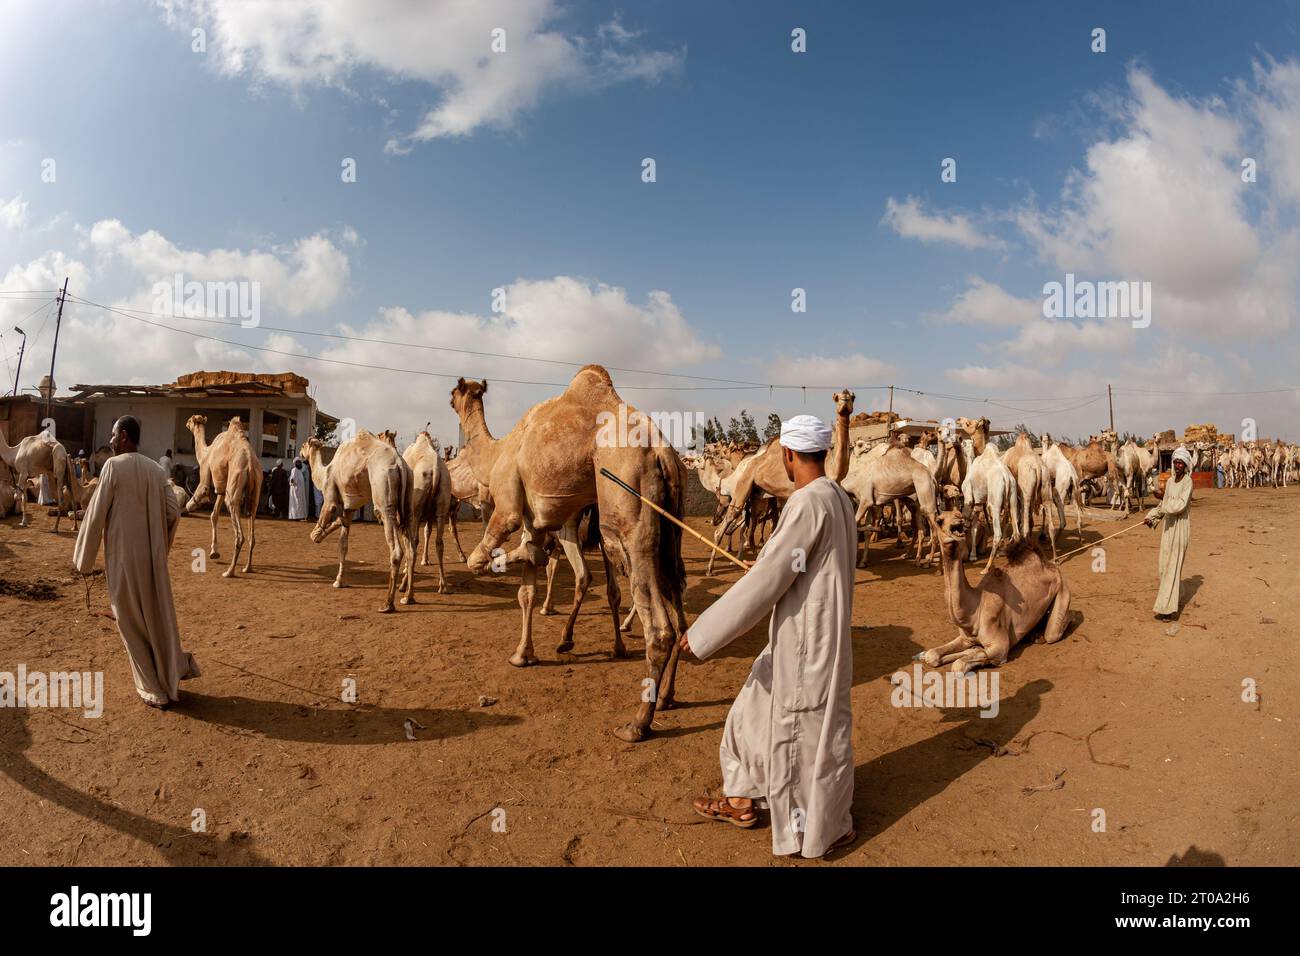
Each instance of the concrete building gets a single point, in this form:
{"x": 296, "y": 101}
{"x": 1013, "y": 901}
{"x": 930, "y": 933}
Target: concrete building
{"x": 277, "y": 409}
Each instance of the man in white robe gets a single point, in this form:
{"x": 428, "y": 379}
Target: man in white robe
{"x": 297, "y": 492}
{"x": 135, "y": 517}
{"x": 1175, "y": 510}
{"x": 787, "y": 740}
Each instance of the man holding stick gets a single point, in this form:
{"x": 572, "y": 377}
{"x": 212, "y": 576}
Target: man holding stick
{"x": 787, "y": 741}
{"x": 1176, "y": 530}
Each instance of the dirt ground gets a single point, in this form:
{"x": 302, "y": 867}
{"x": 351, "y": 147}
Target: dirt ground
{"x": 1120, "y": 716}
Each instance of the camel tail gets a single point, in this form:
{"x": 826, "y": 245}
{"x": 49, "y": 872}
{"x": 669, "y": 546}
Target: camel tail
{"x": 672, "y": 566}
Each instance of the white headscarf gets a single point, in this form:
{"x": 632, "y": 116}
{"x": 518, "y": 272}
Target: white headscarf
{"x": 805, "y": 433}
{"x": 1183, "y": 455}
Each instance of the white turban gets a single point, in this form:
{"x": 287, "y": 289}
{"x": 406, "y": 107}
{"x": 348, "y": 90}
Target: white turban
{"x": 805, "y": 433}
{"x": 279, "y": 463}
{"x": 1183, "y": 455}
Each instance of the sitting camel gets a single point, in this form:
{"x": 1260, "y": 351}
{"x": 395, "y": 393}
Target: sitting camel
{"x": 229, "y": 472}
{"x": 1008, "y": 603}
{"x": 36, "y": 457}
{"x": 366, "y": 470}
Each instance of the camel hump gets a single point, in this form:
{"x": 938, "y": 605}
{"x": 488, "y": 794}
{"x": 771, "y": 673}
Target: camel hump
{"x": 595, "y": 370}
{"x": 1022, "y": 550}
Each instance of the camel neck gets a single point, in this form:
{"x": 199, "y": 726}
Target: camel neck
{"x": 956, "y": 589}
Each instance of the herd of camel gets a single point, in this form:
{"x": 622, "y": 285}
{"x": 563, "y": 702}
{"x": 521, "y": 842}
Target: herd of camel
{"x": 543, "y": 481}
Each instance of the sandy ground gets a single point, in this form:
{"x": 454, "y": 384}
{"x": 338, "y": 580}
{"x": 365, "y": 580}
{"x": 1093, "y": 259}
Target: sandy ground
{"x": 1119, "y": 717}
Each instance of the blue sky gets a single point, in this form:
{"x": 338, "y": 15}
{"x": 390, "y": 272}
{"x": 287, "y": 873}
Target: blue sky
{"x": 775, "y": 170}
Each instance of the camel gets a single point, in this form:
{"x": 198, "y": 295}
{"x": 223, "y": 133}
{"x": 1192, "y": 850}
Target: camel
{"x": 430, "y": 501}
{"x": 1008, "y": 603}
{"x": 889, "y": 477}
{"x": 953, "y": 463}
{"x": 8, "y": 492}
{"x": 229, "y": 472}
{"x": 1093, "y": 462}
{"x": 83, "y": 489}
{"x": 990, "y": 485}
{"x": 36, "y": 457}
{"x": 1135, "y": 463}
{"x": 1065, "y": 482}
{"x": 1034, "y": 485}
{"x": 767, "y": 474}
{"x": 366, "y": 470}
{"x": 480, "y": 453}
{"x": 546, "y": 471}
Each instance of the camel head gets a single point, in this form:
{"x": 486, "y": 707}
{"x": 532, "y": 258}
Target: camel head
{"x": 971, "y": 426}
{"x": 195, "y": 422}
{"x": 388, "y": 435}
{"x": 952, "y": 535}
{"x": 844, "y": 403}
{"x": 466, "y": 393}
{"x": 237, "y": 424}
{"x": 928, "y": 438}
{"x": 433, "y": 442}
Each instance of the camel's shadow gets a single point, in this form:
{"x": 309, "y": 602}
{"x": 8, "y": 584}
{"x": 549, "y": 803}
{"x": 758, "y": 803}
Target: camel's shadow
{"x": 887, "y": 788}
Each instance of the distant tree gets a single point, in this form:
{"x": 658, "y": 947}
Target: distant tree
{"x": 743, "y": 431}
{"x": 773, "y": 428}
{"x": 713, "y": 431}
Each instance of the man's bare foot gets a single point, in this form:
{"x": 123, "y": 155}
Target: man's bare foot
{"x": 738, "y": 811}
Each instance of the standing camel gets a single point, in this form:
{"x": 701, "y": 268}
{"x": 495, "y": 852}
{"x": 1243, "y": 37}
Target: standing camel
{"x": 989, "y": 485}
{"x": 430, "y": 502}
{"x": 39, "y": 456}
{"x": 889, "y": 477}
{"x": 229, "y": 472}
{"x": 366, "y": 470}
{"x": 547, "y": 470}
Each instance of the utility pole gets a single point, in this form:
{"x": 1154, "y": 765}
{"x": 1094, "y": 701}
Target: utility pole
{"x": 889, "y": 417}
{"x": 1110, "y": 398}
{"x": 21, "y": 350}
{"x": 49, "y": 400}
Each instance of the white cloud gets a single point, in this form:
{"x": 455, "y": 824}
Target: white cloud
{"x": 443, "y": 43}
{"x": 13, "y": 214}
{"x": 309, "y": 275}
{"x": 843, "y": 370}
{"x": 988, "y": 304}
{"x": 1163, "y": 202}
{"x": 909, "y": 220}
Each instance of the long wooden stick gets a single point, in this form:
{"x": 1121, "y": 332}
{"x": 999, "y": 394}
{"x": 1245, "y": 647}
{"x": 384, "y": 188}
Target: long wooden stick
{"x": 1100, "y": 540}
{"x": 681, "y": 524}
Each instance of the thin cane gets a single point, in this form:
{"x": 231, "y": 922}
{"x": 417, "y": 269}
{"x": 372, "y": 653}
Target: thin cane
{"x": 689, "y": 530}
{"x": 1099, "y": 541}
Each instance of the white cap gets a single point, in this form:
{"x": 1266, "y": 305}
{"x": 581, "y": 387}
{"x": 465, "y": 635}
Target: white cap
{"x": 805, "y": 433}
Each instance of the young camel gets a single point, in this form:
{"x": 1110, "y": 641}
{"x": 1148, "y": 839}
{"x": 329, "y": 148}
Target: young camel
{"x": 229, "y": 472}
{"x": 366, "y": 470}
{"x": 1007, "y": 604}
{"x": 547, "y": 470}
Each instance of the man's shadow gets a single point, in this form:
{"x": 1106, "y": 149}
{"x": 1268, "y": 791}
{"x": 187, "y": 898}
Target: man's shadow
{"x": 178, "y": 845}
{"x": 891, "y": 785}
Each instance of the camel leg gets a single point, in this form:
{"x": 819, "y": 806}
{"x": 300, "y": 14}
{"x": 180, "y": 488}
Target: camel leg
{"x": 437, "y": 544}
{"x": 213, "y": 553}
{"x": 613, "y": 597}
{"x": 252, "y": 538}
{"x": 997, "y": 540}
{"x": 568, "y": 536}
{"x": 344, "y": 525}
{"x": 627, "y": 622}
{"x": 455, "y": 533}
{"x": 548, "y": 605}
{"x": 523, "y": 655}
{"x": 659, "y": 651}
{"x": 969, "y": 660}
{"x": 1059, "y": 617}
{"x": 935, "y": 655}
{"x": 426, "y": 527}
{"x": 235, "y": 506}
{"x": 394, "y": 536}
